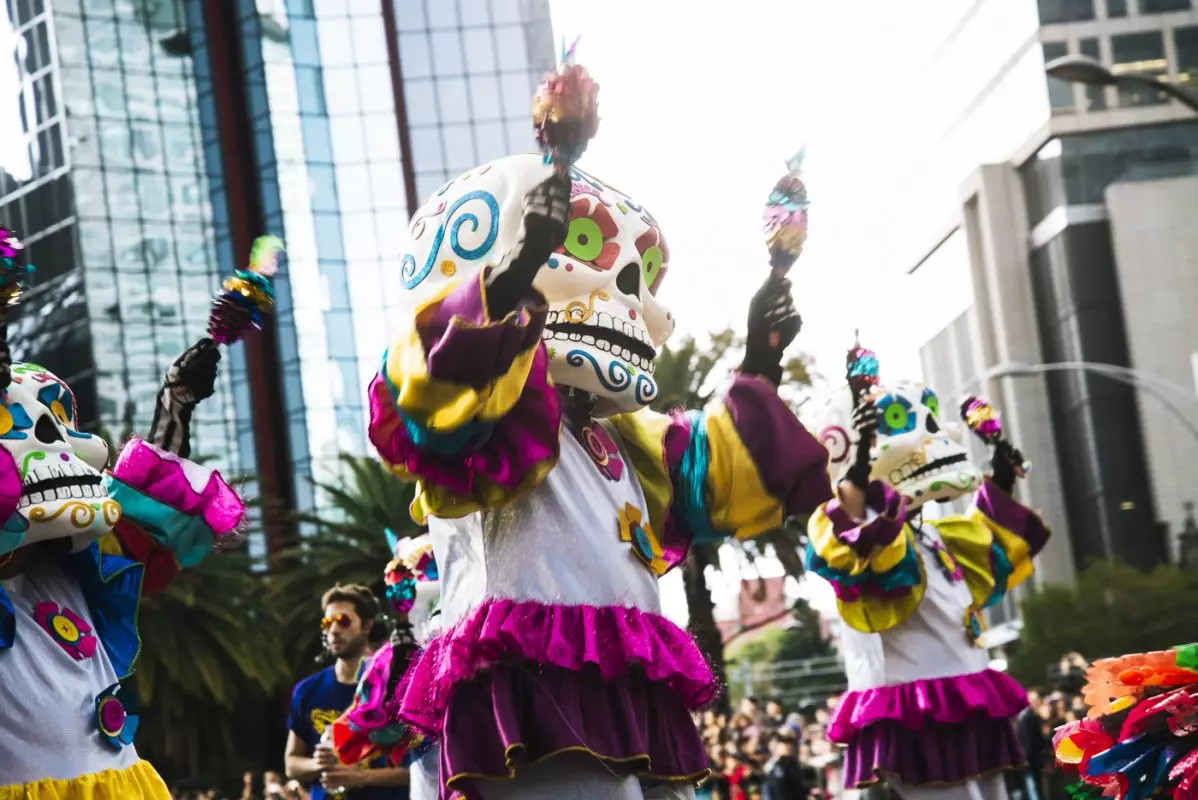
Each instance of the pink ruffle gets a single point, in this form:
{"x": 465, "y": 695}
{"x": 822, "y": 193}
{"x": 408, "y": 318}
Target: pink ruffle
{"x": 914, "y": 705}
{"x": 614, "y": 639}
{"x": 171, "y": 481}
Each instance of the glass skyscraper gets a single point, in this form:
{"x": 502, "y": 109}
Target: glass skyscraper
{"x": 146, "y": 142}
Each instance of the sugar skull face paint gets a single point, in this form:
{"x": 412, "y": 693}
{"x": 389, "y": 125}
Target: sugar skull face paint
{"x": 604, "y": 321}
{"x": 916, "y": 452}
{"x": 61, "y": 494}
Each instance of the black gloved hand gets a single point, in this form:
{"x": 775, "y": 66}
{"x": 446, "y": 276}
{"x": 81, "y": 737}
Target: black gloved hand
{"x": 865, "y": 423}
{"x": 1007, "y": 463}
{"x": 773, "y": 325}
{"x": 190, "y": 379}
{"x": 546, "y": 220}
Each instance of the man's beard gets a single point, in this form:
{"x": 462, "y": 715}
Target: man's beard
{"x": 354, "y": 648}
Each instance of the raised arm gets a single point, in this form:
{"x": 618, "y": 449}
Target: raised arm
{"x": 190, "y": 379}
{"x": 463, "y": 402}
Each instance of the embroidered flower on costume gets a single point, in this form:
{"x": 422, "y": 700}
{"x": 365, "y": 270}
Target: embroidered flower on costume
{"x": 67, "y": 628}
{"x": 602, "y": 450}
{"x": 116, "y": 716}
{"x": 975, "y": 626}
{"x": 635, "y": 530}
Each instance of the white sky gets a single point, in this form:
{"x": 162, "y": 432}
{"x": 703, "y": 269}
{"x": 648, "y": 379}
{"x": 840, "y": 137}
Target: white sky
{"x": 702, "y": 103}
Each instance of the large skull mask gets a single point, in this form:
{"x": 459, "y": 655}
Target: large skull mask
{"x": 604, "y": 318}
{"x": 62, "y": 496}
{"x": 920, "y": 455}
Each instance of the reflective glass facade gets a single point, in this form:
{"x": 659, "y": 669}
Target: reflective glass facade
{"x": 116, "y": 168}
{"x": 104, "y": 178}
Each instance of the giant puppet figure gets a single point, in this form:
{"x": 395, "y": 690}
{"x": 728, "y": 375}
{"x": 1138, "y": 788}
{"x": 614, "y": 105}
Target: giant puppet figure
{"x": 924, "y": 711}
{"x": 80, "y": 547}
{"x": 515, "y": 394}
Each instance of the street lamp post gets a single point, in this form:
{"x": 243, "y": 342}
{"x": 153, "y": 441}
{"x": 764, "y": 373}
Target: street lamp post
{"x": 1088, "y": 71}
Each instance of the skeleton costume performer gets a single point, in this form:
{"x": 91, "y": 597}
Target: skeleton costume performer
{"x": 78, "y": 550}
{"x": 923, "y": 711}
{"x": 515, "y": 394}
{"x": 371, "y": 727}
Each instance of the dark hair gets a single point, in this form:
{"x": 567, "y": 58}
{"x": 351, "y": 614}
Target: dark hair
{"x": 782, "y": 738}
{"x": 363, "y": 600}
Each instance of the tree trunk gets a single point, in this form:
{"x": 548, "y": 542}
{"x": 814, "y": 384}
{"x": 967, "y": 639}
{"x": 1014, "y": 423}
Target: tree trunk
{"x": 701, "y": 610}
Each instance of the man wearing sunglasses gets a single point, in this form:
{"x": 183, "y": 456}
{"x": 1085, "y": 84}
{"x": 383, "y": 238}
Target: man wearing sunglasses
{"x": 318, "y": 700}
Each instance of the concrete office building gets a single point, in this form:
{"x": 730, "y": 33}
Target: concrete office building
{"x": 1065, "y": 209}
{"x": 145, "y": 143}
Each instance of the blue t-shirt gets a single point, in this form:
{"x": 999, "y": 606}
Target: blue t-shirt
{"x": 316, "y": 702}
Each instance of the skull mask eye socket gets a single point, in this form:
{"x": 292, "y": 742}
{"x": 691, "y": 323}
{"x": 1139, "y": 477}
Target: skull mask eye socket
{"x": 895, "y": 416}
{"x": 932, "y": 402}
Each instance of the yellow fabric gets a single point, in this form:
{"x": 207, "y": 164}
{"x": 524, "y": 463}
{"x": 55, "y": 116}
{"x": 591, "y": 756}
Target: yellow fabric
{"x": 970, "y": 539}
{"x": 643, "y": 435}
{"x": 111, "y": 545}
{"x": 136, "y": 782}
{"x": 443, "y": 406}
{"x": 869, "y": 613}
{"x": 437, "y": 501}
{"x": 738, "y": 501}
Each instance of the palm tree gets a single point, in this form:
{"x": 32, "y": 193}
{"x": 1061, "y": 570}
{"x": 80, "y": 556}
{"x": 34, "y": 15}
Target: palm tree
{"x": 685, "y": 377}
{"x": 348, "y": 545}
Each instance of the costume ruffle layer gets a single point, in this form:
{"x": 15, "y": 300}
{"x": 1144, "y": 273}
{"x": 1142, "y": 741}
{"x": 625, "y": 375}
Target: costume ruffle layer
{"x": 138, "y": 781}
{"x": 370, "y": 727}
{"x": 921, "y": 704}
{"x": 188, "y": 488}
{"x": 521, "y": 712}
{"x": 937, "y": 753}
{"x": 611, "y": 641}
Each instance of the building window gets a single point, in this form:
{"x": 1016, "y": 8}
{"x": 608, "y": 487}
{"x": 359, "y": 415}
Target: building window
{"x": 1116, "y": 8}
{"x": 1186, "y": 41}
{"x": 1139, "y": 54}
{"x": 1161, "y": 6}
{"x": 1065, "y": 11}
{"x": 1060, "y": 93}
{"x": 1095, "y": 95}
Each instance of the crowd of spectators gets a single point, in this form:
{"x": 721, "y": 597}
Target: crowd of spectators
{"x": 765, "y": 752}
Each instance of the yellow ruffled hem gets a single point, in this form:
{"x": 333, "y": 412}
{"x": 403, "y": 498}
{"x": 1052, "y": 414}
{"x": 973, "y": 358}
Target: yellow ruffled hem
{"x": 137, "y": 782}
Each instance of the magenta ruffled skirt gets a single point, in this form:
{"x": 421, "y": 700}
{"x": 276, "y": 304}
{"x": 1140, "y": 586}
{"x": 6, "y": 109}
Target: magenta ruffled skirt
{"x": 943, "y": 730}
{"x": 516, "y": 682}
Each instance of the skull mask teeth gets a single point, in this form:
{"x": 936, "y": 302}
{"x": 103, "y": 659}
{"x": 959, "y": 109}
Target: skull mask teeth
{"x": 605, "y": 321}
{"x": 62, "y": 495}
{"x": 917, "y": 454}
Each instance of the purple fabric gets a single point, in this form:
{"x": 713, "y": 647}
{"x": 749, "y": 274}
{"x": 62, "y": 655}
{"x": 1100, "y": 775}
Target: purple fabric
{"x": 611, "y": 639}
{"x": 792, "y": 464}
{"x": 10, "y": 484}
{"x": 463, "y": 346}
{"x": 891, "y": 509}
{"x": 160, "y": 476}
{"x": 1012, "y": 515}
{"x": 935, "y": 754}
{"x": 520, "y": 712}
{"x": 525, "y": 437}
{"x": 936, "y": 701}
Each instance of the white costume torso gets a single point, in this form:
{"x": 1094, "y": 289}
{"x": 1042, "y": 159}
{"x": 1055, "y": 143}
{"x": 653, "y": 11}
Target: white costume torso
{"x": 48, "y": 723}
{"x": 931, "y": 643}
{"x": 560, "y": 544}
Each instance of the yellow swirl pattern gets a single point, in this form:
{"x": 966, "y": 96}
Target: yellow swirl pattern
{"x": 82, "y": 515}
{"x": 579, "y": 311}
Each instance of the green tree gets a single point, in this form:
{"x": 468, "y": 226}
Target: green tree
{"x": 687, "y": 377}
{"x": 778, "y": 660}
{"x": 1112, "y": 609}
{"x": 347, "y": 544}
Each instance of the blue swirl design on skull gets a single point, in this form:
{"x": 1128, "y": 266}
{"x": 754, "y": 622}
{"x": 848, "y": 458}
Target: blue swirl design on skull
{"x": 618, "y": 376}
{"x": 412, "y": 278}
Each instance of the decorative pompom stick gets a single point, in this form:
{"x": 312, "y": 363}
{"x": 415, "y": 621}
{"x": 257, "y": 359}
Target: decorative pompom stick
{"x": 983, "y": 419}
{"x": 247, "y": 295}
{"x": 861, "y": 371}
{"x": 13, "y": 271}
{"x": 785, "y": 217}
{"x": 565, "y": 112}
